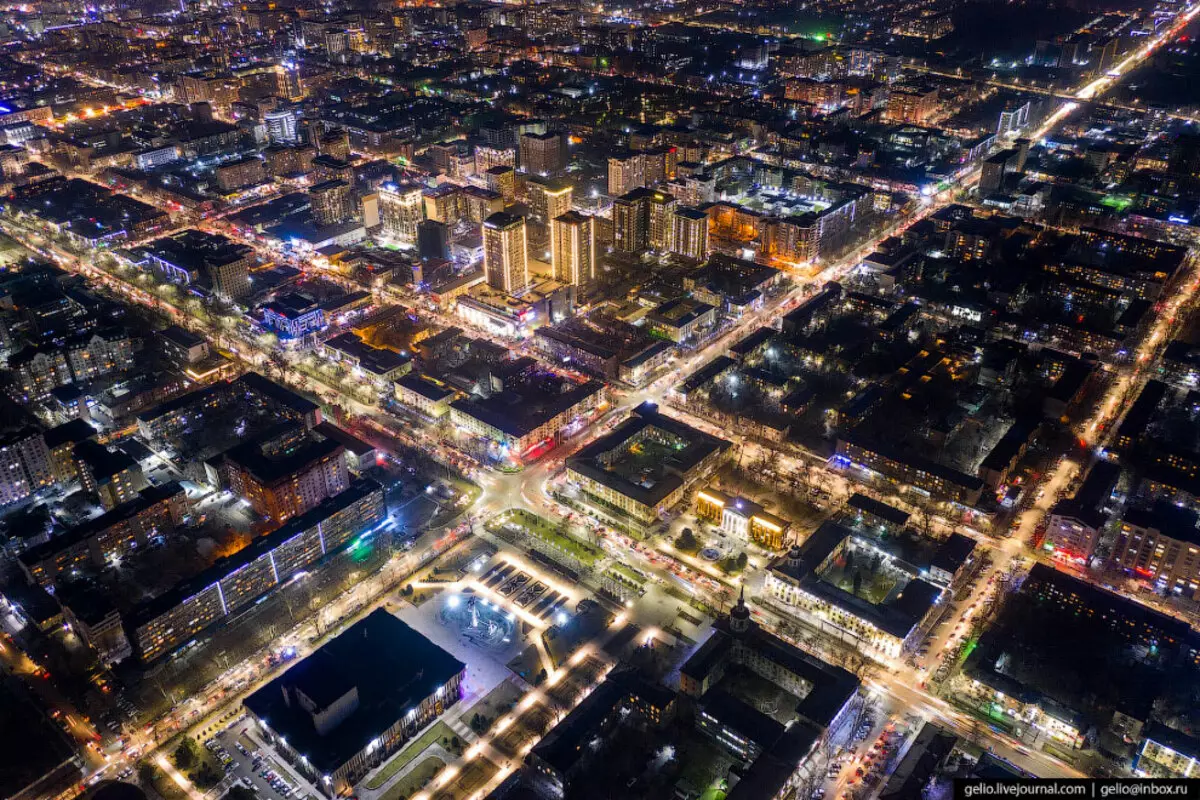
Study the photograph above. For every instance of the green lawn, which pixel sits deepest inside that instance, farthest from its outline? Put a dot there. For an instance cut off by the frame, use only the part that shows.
(497, 702)
(422, 596)
(411, 783)
(163, 785)
(713, 793)
(435, 733)
(627, 573)
(585, 553)
(526, 664)
(703, 765)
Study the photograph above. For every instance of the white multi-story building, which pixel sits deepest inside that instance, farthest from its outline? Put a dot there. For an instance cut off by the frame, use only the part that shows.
(281, 126)
(25, 465)
(401, 210)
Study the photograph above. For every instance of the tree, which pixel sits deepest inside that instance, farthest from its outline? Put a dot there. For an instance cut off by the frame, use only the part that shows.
(925, 514)
(686, 541)
(267, 341)
(801, 479)
(857, 664)
(742, 560)
(29, 521)
(147, 773)
(205, 776)
(185, 753)
(239, 792)
(771, 464)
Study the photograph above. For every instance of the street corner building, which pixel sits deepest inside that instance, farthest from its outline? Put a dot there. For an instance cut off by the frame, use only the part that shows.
(349, 705)
(645, 465)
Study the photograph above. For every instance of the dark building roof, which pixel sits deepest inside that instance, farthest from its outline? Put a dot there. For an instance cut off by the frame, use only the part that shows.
(1168, 519)
(680, 311)
(376, 360)
(225, 566)
(772, 770)
(393, 667)
(291, 305)
(347, 440)
(589, 461)
(953, 553)
(523, 409)
(915, 460)
(37, 604)
(279, 394)
(1177, 740)
(733, 276)
(897, 616)
(876, 508)
(687, 212)
(1142, 410)
(751, 342)
(181, 336)
(709, 372)
(272, 468)
(87, 601)
(993, 768)
(919, 764)
(195, 250)
(645, 354)
(103, 462)
(563, 745)
(183, 401)
(67, 394)
(502, 219)
(1182, 352)
(1010, 444)
(146, 498)
(334, 304)
(737, 715)
(1061, 598)
(803, 313)
(72, 432)
(1108, 604)
(640, 193)
(425, 387)
(832, 687)
(577, 342)
(1087, 505)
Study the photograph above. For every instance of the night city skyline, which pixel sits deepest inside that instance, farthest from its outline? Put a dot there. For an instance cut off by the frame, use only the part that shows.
(697, 399)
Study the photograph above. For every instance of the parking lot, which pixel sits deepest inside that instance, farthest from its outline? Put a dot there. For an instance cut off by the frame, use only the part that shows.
(871, 755)
(117, 719)
(257, 767)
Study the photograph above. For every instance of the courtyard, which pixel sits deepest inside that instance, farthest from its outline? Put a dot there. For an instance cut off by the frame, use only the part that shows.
(865, 573)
